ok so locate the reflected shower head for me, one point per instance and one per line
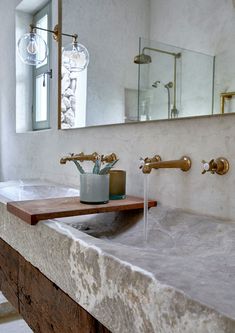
(155, 84)
(142, 58)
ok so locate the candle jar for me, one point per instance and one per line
(117, 184)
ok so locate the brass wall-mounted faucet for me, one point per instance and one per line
(90, 157)
(219, 166)
(156, 163)
(79, 157)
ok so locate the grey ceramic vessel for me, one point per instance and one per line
(94, 189)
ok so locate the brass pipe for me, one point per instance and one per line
(184, 164)
(177, 55)
(174, 97)
(56, 32)
(221, 104)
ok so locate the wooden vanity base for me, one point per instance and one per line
(42, 304)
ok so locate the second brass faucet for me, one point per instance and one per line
(156, 163)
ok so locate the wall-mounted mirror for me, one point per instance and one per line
(114, 89)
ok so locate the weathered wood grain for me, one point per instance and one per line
(42, 304)
(32, 211)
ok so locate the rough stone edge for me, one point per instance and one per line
(158, 308)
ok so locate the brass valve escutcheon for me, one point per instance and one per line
(219, 166)
(143, 161)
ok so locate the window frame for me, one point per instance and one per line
(37, 72)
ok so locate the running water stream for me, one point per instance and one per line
(146, 216)
(146, 193)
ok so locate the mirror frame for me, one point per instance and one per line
(59, 61)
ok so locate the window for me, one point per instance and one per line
(42, 74)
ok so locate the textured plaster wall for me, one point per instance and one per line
(194, 25)
(110, 30)
(33, 155)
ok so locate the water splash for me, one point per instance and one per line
(146, 193)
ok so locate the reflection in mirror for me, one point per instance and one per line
(174, 82)
(110, 30)
(73, 88)
(116, 90)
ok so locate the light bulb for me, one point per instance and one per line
(32, 47)
(77, 56)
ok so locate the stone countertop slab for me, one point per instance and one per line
(18, 190)
(181, 281)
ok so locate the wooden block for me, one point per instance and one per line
(32, 211)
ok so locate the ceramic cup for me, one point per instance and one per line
(94, 189)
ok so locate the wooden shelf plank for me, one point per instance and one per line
(32, 211)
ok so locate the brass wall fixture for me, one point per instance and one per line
(89, 157)
(156, 163)
(33, 49)
(219, 166)
(223, 97)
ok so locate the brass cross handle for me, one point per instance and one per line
(109, 158)
(155, 158)
(219, 166)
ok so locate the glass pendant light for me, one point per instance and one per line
(32, 48)
(76, 56)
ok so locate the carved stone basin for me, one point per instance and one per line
(193, 253)
(170, 231)
(125, 228)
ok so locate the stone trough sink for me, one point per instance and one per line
(185, 280)
(181, 280)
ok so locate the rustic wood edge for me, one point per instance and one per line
(41, 303)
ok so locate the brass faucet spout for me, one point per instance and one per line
(184, 164)
(63, 160)
(91, 157)
(79, 157)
